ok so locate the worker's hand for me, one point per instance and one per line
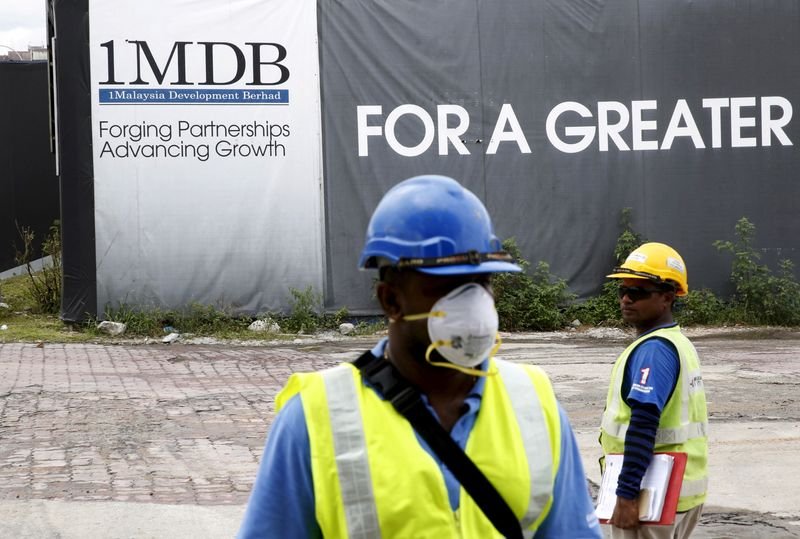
(626, 514)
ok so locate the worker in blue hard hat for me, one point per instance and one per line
(427, 434)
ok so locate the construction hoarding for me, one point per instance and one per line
(211, 125)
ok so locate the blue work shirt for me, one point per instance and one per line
(282, 503)
(651, 372)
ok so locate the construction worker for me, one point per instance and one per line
(656, 400)
(359, 450)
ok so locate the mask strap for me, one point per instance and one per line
(497, 342)
(423, 316)
(466, 370)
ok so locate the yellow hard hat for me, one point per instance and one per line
(657, 262)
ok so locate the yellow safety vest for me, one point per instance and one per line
(372, 478)
(684, 419)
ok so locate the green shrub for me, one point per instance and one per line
(43, 287)
(148, 322)
(628, 239)
(307, 313)
(787, 294)
(207, 319)
(602, 309)
(196, 318)
(530, 301)
(370, 326)
(759, 296)
(334, 320)
(305, 316)
(700, 307)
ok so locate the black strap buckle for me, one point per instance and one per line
(405, 400)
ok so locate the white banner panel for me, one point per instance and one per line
(207, 152)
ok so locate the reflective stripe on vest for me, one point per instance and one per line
(351, 454)
(528, 409)
(694, 488)
(684, 421)
(663, 435)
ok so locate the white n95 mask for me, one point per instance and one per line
(462, 326)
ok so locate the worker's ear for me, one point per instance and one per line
(670, 298)
(387, 296)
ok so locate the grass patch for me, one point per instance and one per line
(195, 319)
(14, 291)
(534, 299)
(370, 327)
(25, 324)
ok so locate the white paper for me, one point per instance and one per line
(655, 480)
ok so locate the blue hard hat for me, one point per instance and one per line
(434, 225)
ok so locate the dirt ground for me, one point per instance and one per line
(161, 440)
(752, 382)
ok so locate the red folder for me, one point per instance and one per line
(673, 490)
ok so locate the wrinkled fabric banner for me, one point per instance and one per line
(28, 183)
(207, 152)
(559, 115)
(193, 143)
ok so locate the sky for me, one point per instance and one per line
(22, 23)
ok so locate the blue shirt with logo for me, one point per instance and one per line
(651, 372)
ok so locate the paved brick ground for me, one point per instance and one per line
(183, 427)
(165, 424)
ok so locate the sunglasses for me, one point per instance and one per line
(636, 293)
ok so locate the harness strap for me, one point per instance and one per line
(407, 401)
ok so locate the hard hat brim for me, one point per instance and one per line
(492, 266)
(624, 275)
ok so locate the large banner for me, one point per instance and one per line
(191, 162)
(207, 152)
(28, 183)
(561, 114)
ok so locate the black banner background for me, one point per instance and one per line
(28, 183)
